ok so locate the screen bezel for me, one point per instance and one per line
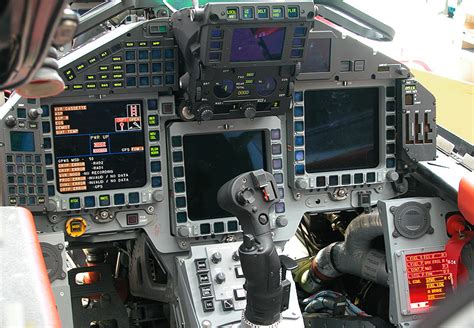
(145, 192)
(334, 56)
(380, 170)
(228, 29)
(181, 129)
(86, 103)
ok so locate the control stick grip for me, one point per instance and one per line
(262, 270)
(250, 197)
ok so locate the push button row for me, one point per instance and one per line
(103, 200)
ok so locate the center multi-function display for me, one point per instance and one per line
(98, 146)
(208, 168)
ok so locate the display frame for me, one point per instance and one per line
(125, 107)
(220, 21)
(181, 225)
(300, 179)
(114, 197)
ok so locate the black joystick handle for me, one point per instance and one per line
(249, 197)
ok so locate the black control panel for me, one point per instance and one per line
(141, 58)
(417, 119)
(241, 59)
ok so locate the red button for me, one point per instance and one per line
(132, 219)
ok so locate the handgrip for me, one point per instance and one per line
(250, 197)
(262, 270)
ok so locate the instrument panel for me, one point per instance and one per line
(158, 114)
(125, 133)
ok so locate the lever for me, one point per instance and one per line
(249, 197)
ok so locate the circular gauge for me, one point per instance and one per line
(224, 88)
(266, 86)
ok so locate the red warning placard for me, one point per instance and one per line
(429, 279)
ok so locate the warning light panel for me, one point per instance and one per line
(429, 279)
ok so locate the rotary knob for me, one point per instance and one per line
(301, 183)
(392, 176)
(34, 113)
(205, 112)
(281, 221)
(220, 278)
(183, 231)
(249, 110)
(216, 257)
(10, 121)
(236, 256)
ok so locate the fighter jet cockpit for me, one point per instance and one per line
(191, 141)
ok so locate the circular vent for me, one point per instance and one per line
(53, 261)
(412, 220)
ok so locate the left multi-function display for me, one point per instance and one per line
(99, 145)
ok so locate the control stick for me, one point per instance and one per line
(250, 197)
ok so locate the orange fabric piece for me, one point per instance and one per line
(466, 197)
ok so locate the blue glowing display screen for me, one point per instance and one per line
(257, 44)
(22, 141)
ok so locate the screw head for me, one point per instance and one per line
(263, 219)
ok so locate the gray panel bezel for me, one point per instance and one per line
(397, 248)
(380, 171)
(10, 108)
(180, 129)
(219, 10)
(60, 201)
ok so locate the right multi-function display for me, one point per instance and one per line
(341, 128)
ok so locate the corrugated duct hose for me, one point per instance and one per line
(355, 255)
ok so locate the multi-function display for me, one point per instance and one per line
(99, 146)
(213, 159)
(257, 44)
(341, 129)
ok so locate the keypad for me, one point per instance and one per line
(25, 180)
